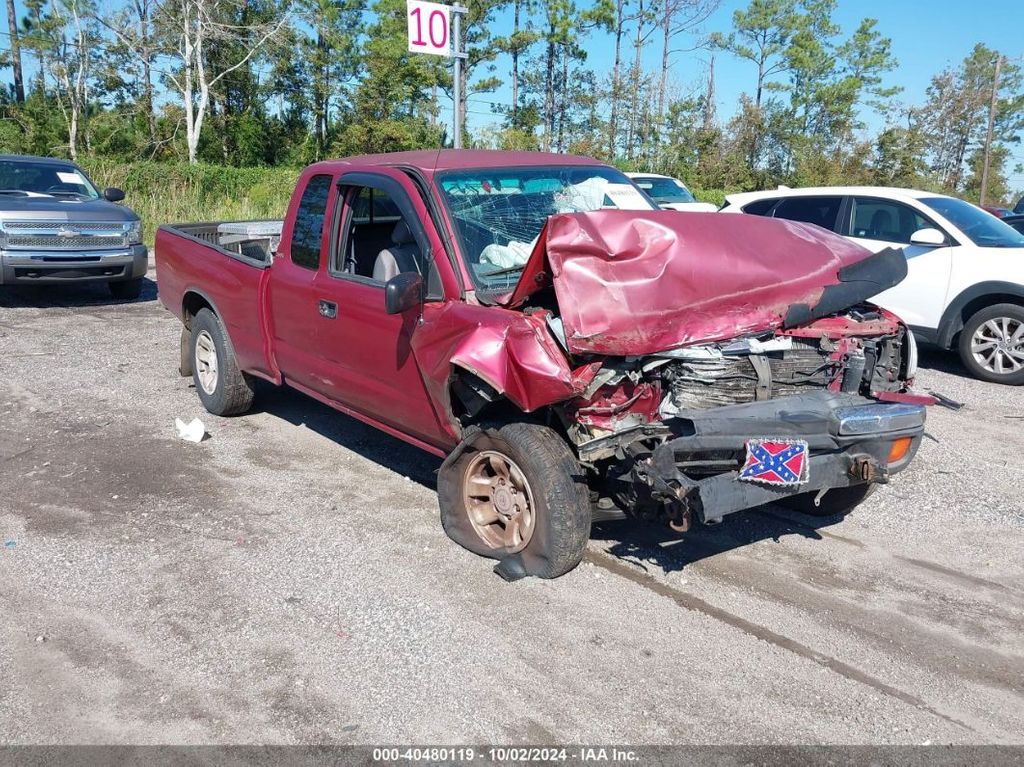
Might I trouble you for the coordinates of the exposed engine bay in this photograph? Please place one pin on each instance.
(863, 350)
(636, 407)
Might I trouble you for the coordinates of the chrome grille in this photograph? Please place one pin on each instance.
(82, 226)
(82, 242)
(61, 235)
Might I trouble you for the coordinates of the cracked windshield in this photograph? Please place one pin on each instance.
(498, 214)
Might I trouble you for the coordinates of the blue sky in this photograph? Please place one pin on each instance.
(927, 35)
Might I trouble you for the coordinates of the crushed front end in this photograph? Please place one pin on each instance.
(701, 431)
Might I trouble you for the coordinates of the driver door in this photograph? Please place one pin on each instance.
(367, 353)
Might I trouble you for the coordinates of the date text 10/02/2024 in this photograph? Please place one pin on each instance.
(504, 754)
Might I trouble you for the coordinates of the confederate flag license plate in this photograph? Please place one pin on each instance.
(780, 462)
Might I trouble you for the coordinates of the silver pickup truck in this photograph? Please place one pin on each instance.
(57, 227)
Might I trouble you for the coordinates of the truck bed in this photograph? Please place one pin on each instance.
(195, 265)
(252, 240)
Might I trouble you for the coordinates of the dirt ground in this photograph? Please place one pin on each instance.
(287, 580)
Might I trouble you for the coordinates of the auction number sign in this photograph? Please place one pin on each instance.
(429, 27)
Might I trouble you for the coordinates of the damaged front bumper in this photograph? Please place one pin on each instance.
(692, 462)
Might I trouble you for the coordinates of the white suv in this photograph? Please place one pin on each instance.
(965, 268)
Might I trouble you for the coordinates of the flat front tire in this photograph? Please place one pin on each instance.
(992, 344)
(517, 491)
(222, 387)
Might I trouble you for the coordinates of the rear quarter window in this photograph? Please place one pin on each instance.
(309, 222)
(760, 207)
(823, 211)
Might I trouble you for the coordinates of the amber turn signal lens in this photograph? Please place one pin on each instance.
(899, 449)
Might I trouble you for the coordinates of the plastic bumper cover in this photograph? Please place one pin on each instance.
(19, 267)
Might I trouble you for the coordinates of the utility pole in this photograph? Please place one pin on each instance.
(12, 26)
(458, 54)
(991, 126)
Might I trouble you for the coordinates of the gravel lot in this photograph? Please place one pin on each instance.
(287, 580)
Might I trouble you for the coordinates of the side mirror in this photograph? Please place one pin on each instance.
(402, 292)
(929, 237)
(113, 194)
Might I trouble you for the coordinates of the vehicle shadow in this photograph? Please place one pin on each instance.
(350, 433)
(646, 544)
(60, 296)
(656, 547)
(941, 360)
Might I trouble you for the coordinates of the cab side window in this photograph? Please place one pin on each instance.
(884, 220)
(378, 241)
(823, 211)
(309, 222)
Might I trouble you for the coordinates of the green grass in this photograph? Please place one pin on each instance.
(167, 193)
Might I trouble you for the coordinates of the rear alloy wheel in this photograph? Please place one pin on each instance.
(205, 362)
(222, 387)
(992, 344)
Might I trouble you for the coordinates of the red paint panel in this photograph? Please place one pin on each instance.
(632, 283)
(612, 404)
(512, 352)
(905, 397)
(230, 285)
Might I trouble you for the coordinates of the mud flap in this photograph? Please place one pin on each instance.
(512, 566)
(185, 365)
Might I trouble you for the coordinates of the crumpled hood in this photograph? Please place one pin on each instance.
(631, 283)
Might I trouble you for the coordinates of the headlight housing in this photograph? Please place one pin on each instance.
(911, 359)
(133, 231)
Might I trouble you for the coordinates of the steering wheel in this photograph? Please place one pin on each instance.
(64, 189)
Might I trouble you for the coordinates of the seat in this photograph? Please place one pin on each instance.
(402, 256)
(881, 225)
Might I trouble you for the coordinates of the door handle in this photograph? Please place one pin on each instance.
(328, 309)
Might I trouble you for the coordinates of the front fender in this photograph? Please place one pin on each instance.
(512, 352)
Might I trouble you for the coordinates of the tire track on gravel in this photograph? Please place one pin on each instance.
(696, 604)
(922, 564)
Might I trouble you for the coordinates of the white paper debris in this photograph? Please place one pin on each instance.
(626, 197)
(71, 178)
(193, 431)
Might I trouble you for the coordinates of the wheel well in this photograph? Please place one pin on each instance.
(975, 305)
(474, 401)
(191, 305)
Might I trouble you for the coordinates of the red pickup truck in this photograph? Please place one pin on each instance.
(571, 351)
